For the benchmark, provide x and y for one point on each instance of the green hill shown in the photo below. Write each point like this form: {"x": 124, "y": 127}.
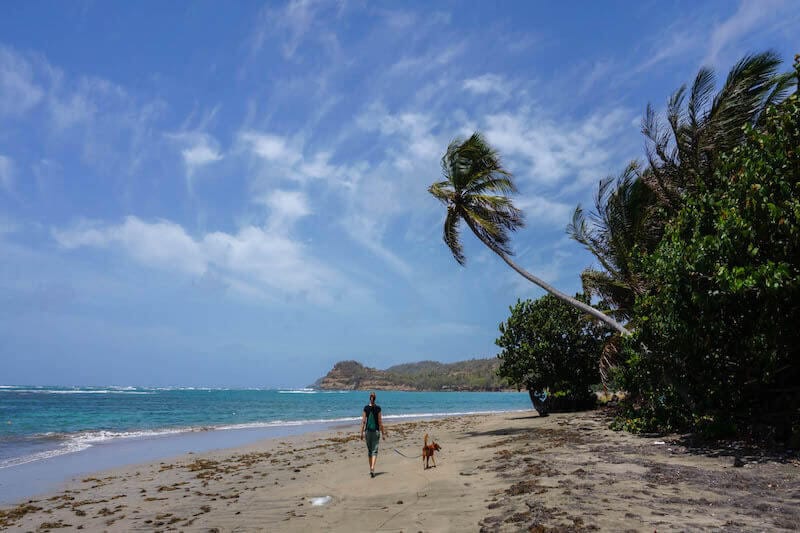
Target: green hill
{"x": 471, "y": 375}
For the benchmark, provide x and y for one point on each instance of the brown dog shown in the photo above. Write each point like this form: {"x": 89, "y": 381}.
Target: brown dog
{"x": 427, "y": 452}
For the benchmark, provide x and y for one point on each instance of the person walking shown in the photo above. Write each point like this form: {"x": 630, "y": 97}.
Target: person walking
{"x": 371, "y": 425}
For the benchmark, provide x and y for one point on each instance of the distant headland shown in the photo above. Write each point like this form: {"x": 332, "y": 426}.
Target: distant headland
{"x": 471, "y": 375}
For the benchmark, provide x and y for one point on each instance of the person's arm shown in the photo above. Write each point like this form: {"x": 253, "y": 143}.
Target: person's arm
{"x": 380, "y": 424}
{"x": 363, "y": 423}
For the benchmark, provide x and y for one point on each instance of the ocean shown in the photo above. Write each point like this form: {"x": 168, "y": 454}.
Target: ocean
{"x": 113, "y": 426}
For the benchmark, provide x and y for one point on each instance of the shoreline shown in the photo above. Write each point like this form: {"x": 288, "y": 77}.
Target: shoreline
{"x": 501, "y": 472}
{"x": 31, "y": 476}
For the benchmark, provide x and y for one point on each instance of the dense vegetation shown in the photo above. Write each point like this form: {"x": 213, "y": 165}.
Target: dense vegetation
{"x": 699, "y": 257}
{"x": 547, "y": 344}
{"x": 471, "y": 375}
{"x": 720, "y": 327}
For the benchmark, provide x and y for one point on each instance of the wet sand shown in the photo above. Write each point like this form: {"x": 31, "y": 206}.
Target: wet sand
{"x": 505, "y": 472}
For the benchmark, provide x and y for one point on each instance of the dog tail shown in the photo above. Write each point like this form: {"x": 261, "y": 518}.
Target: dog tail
{"x": 426, "y": 439}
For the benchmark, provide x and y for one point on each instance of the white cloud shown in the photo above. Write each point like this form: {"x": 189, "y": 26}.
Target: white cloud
{"x": 285, "y": 208}
{"x": 273, "y": 148}
{"x": 488, "y": 83}
{"x": 255, "y": 261}
{"x": 18, "y": 90}
{"x": 198, "y": 149}
{"x": 551, "y": 151}
{"x": 159, "y": 244}
{"x": 6, "y": 173}
{"x": 282, "y": 158}
{"x": 200, "y": 154}
{"x": 539, "y": 208}
{"x": 318, "y": 167}
{"x": 413, "y": 130}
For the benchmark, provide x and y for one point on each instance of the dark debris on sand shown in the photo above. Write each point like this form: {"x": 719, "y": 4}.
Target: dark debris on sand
{"x": 580, "y": 476}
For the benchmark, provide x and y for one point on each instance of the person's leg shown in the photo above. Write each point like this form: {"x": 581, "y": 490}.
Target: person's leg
{"x": 375, "y": 451}
{"x": 372, "y": 447}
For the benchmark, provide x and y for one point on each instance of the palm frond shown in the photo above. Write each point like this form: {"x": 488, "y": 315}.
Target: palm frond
{"x": 784, "y": 84}
{"x": 442, "y": 191}
{"x": 578, "y": 229}
{"x": 485, "y": 226}
{"x": 452, "y": 235}
{"x": 495, "y": 181}
{"x": 702, "y": 89}
{"x": 609, "y": 358}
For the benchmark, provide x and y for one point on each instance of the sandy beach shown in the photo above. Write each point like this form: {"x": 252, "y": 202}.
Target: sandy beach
{"x": 504, "y": 472}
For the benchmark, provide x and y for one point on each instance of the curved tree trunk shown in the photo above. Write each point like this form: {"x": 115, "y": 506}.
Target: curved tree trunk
{"x": 599, "y": 315}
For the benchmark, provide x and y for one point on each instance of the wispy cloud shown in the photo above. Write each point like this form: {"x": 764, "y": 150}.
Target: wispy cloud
{"x": 411, "y": 133}
{"x": 488, "y": 83}
{"x": 432, "y": 59}
{"x": 367, "y": 229}
{"x": 19, "y": 91}
{"x": 751, "y": 16}
{"x": 672, "y": 45}
{"x": 295, "y": 23}
{"x": 6, "y": 173}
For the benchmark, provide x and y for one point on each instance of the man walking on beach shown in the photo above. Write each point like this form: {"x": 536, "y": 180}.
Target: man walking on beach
{"x": 371, "y": 423}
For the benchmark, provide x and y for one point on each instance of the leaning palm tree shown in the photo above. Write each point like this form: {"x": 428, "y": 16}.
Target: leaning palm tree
{"x": 475, "y": 191}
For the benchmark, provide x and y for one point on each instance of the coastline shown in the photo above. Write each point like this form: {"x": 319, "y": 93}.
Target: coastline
{"x": 499, "y": 472}
{"x": 32, "y": 476}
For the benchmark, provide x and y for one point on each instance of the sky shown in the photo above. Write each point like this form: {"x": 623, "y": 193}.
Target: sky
{"x": 234, "y": 193}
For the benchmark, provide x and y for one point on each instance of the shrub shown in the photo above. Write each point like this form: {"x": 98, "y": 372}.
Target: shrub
{"x": 547, "y": 344}
{"x": 720, "y": 326}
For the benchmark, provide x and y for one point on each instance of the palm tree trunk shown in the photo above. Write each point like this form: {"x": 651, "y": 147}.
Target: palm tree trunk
{"x": 599, "y": 315}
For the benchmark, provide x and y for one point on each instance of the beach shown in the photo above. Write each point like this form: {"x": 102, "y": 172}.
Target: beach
{"x": 499, "y": 472}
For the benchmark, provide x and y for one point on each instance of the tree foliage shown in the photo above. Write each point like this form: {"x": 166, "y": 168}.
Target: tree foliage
{"x": 476, "y": 192}
{"x": 721, "y": 323}
{"x": 547, "y": 344}
{"x": 684, "y": 151}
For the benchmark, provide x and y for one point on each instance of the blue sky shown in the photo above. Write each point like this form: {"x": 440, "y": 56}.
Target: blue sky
{"x": 234, "y": 194}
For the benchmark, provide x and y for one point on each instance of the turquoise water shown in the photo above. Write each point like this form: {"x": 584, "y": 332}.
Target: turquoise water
{"x": 39, "y": 423}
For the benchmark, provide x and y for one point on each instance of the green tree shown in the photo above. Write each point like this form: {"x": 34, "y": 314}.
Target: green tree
{"x": 547, "y": 344}
{"x": 475, "y": 190}
{"x": 632, "y": 210}
{"x": 687, "y": 152}
{"x": 721, "y": 322}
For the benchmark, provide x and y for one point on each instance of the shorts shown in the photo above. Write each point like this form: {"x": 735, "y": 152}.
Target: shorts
{"x": 372, "y": 438}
